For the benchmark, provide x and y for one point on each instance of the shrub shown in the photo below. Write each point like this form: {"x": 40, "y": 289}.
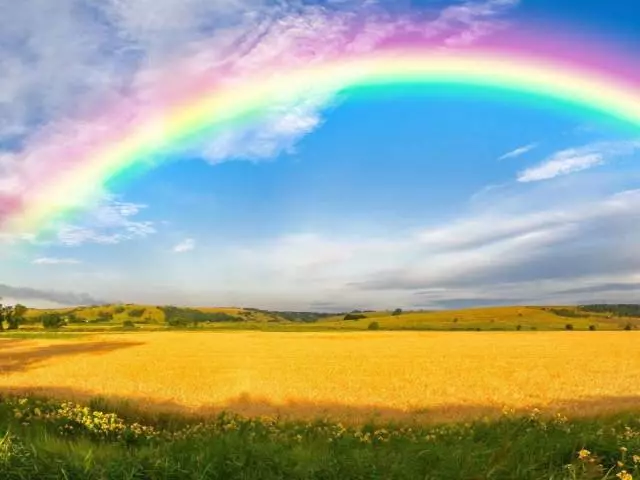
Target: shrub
{"x": 592, "y": 327}
{"x": 455, "y": 320}
{"x": 136, "y": 312}
{"x": 52, "y": 320}
{"x": 354, "y": 316}
{"x": 568, "y": 326}
{"x": 397, "y": 311}
{"x": 373, "y": 326}
{"x": 628, "y": 326}
{"x": 518, "y": 327}
{"x": 119, "y": 309}
{"x": 128, "y": 324}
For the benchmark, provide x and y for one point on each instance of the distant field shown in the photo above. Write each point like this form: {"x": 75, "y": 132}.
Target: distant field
{"x": 429, "y": 376}
{"x": 149, "y": 318}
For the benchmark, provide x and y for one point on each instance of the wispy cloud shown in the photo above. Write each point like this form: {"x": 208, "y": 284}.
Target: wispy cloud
{"x": 116, "y": 53}
{"x": 186, "y": 245}
{"x": 55, "y": 261}
{"x": 578, "y": 159}
{"x": 110, "y": 223}
{"x": 518, "y": 151}
{"x": 492, "y": 254}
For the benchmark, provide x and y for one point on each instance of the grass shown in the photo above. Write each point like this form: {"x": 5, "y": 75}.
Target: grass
{"x": 350, "y": 376}
{"x": 44, "y": 439}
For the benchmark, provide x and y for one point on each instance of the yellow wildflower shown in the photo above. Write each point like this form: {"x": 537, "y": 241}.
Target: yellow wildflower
{"x": 584, "y": 453}
{"x": 624, "y": 475}
{"x": 636, "y": 458}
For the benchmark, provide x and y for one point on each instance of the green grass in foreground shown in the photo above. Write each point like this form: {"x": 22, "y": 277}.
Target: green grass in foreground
{"x": 47, "y": 439}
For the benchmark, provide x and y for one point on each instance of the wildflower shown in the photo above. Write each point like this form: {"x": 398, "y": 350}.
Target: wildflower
{"x": 623, "y": 449}
{"x": 624, "y": 475}
{"x": 636, "y": 458}
{"x": 584, "y": 453}
{"x": 620, "y": 464}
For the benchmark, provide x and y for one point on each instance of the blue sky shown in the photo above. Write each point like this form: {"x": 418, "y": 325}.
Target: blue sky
{"x": 407, "y": 199}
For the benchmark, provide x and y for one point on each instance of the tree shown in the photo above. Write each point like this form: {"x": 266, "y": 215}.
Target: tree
{"x": 397, "y": 311}
{"x": 13, "y": 315}
{"x": 373, "y": 326}
{"x": 52, "y": 320}
{"x": 16, "y": 316}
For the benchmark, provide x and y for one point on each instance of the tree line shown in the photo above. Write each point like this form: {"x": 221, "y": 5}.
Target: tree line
{"x": 618, "y": 310}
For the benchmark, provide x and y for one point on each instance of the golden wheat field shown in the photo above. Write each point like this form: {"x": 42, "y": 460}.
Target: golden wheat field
{"x": 428, "y": 376}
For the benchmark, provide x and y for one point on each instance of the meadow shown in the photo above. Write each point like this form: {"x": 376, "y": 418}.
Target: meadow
{"x": 323, "y": 398}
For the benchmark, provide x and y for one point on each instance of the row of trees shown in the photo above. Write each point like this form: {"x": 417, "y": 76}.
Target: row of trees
{"x": 182, "y": 317}
{"x": 618, "y": 310}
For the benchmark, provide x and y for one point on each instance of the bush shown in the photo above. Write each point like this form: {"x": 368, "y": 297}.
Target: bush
{"x": 128, "y": 324}
{"x": 565, "y": 312}
{"x": 568, "y": 326}
{"x": 397, "y": 311}
{"x": 628, "y": 326}
{"x": 354, "y": 316}
{"x": 592, "y": 327}
{"x": 136, "y": 312}
{"x": 119, "y": 309}
{"x": 52, "y": 320}
{"x": 373, "y": 326}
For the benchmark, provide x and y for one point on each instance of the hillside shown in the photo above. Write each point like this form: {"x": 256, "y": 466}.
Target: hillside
{"x": 148, "y": 317}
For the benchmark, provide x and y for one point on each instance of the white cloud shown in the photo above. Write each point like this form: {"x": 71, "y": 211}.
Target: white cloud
{"x": 55, "y": 261}
{"x": 186, "y": 245}
{"x": 518, "y": 151}
{"x": 109, "y": 223}
{"x": 530, "y": 254}
{"x": 578, "y": 159}
{"x": 121, "y": 56}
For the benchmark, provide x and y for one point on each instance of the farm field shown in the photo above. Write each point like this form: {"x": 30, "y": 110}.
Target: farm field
{"x": 348, "y": 376}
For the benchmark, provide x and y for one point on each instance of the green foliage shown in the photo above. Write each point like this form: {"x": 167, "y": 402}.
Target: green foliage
{"x": 136, "y": 312}
{"x": 354, "y": 316}
{"x": 52, "y": 320}
{"x": 373, "y": 326}
{"x": 568, "y": 326}
{"x": 397, "y": 311}
{"x": 13, "y": 315}
{"x": 128, "y": 324}
{"x": 183, "y": 317}
{"x": 73, "y": 318}
{"x": 619, "y": 310}
{"x": 104, "y": 316}
{"x": 565, "y": 312}
{"x": 119, "y": 309}
{"x": 592, "y": 327}
{"x": 304, "y": 317}
{"x": 42, "y": 439}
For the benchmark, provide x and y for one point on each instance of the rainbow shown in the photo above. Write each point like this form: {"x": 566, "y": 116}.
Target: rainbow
{"x": 76, "y": 172}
